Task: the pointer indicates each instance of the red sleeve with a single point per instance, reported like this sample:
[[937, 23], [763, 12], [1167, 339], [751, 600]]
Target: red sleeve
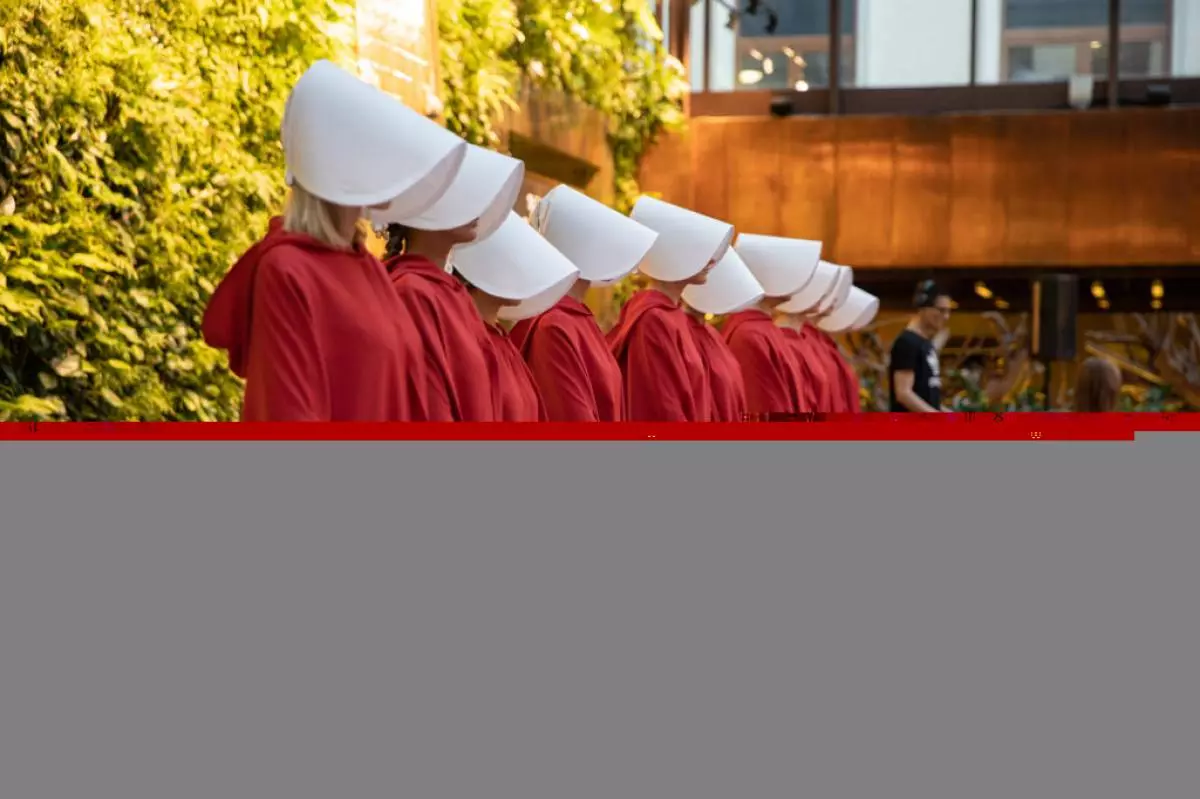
[[657, 388], [435, 402], [766, 386], [285, 375], [561, 377]]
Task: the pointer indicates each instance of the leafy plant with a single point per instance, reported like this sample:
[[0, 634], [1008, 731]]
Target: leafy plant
[[140, 156]]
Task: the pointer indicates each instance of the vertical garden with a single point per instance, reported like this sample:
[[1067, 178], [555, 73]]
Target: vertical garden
[[139, 155]]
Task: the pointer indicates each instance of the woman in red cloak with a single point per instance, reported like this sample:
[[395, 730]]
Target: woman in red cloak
[[306, 314], [511, 275], [776, 385], [665, 376], [579, 378], [437, 309]]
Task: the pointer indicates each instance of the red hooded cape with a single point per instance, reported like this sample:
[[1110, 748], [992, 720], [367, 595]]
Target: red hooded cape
[[724, 373], [517, 393], [773, 377], [579, 379], [846, 393], [664, 374], [461, 370], [312, 329], [819, 383]]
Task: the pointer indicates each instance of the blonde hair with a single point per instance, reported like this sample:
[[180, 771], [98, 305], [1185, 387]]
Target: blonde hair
[[308, 214], [1098, 387]]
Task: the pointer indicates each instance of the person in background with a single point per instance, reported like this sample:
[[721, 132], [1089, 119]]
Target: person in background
[[730, 288], [436, 308], [511, 275], [793, 318], [858, 311], [664, 375], [306, 314], [914, 370], [774, 377], [1098, 386], [576, 372]]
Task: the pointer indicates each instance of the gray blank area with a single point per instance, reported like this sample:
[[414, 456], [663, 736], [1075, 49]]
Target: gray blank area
[[599, 621]]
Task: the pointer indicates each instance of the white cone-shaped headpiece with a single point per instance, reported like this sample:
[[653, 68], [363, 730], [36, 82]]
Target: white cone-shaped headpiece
[[604, 245], [350, 144], [730, 287], [838, 293], [485, 188], [856, 312], [687, 241], [516, 263], [782, 266], [814, 291]]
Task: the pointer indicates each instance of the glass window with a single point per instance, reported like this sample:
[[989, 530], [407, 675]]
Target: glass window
[[771, 44]]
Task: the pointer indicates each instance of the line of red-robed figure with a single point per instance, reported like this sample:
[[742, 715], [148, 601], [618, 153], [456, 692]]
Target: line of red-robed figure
[[478, 315]]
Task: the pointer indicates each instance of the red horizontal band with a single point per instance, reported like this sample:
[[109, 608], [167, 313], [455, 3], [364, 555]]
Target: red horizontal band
[[864, 427]]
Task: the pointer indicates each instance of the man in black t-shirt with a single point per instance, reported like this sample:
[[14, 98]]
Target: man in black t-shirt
[[914, 371]]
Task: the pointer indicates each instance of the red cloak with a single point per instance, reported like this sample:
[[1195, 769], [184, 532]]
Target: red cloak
[[518, 399], [819, 382], [438, 311], [664, 375], [575, 371], [724, 373], [847, 397], [773, 377], [313, 331]]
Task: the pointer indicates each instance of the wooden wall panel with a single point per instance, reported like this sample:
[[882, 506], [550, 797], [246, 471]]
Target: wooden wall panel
[[1101, 188]]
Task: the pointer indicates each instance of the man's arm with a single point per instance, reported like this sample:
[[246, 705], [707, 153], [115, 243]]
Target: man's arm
[[905, 395]]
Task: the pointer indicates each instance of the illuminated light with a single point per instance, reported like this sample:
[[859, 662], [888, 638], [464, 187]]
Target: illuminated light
[[801, 86], [800, 62], [1002, 304], [1098, 290], [1103, 304], [757, 56], [789, 52], [1156, 289], [1096, 45], [1156, 304], [709, 317], [982, 290], [768, 66], [749, 77]]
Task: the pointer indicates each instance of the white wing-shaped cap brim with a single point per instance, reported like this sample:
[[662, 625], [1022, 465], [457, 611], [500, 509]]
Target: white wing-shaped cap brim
[[350, 144], [857, 311], [687, 241], [730, 287], [782, 266], [604, 245], [485, 189], [840, 292], [516, 263], [807, 298]]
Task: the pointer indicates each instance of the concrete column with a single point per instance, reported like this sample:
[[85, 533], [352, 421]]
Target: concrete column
[[913, 43]]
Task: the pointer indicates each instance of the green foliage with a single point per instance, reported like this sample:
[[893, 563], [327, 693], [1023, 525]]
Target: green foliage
[[608, 54], [140, 155]]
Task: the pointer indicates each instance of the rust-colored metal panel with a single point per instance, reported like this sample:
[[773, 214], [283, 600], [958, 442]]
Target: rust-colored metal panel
[[1098, 198], [1035, 169], [753, 183], [865, 170], [808, 179], [710, 164], [921, 191], [1157, 172], [666, 169], [1047, 189], [978, 221]]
